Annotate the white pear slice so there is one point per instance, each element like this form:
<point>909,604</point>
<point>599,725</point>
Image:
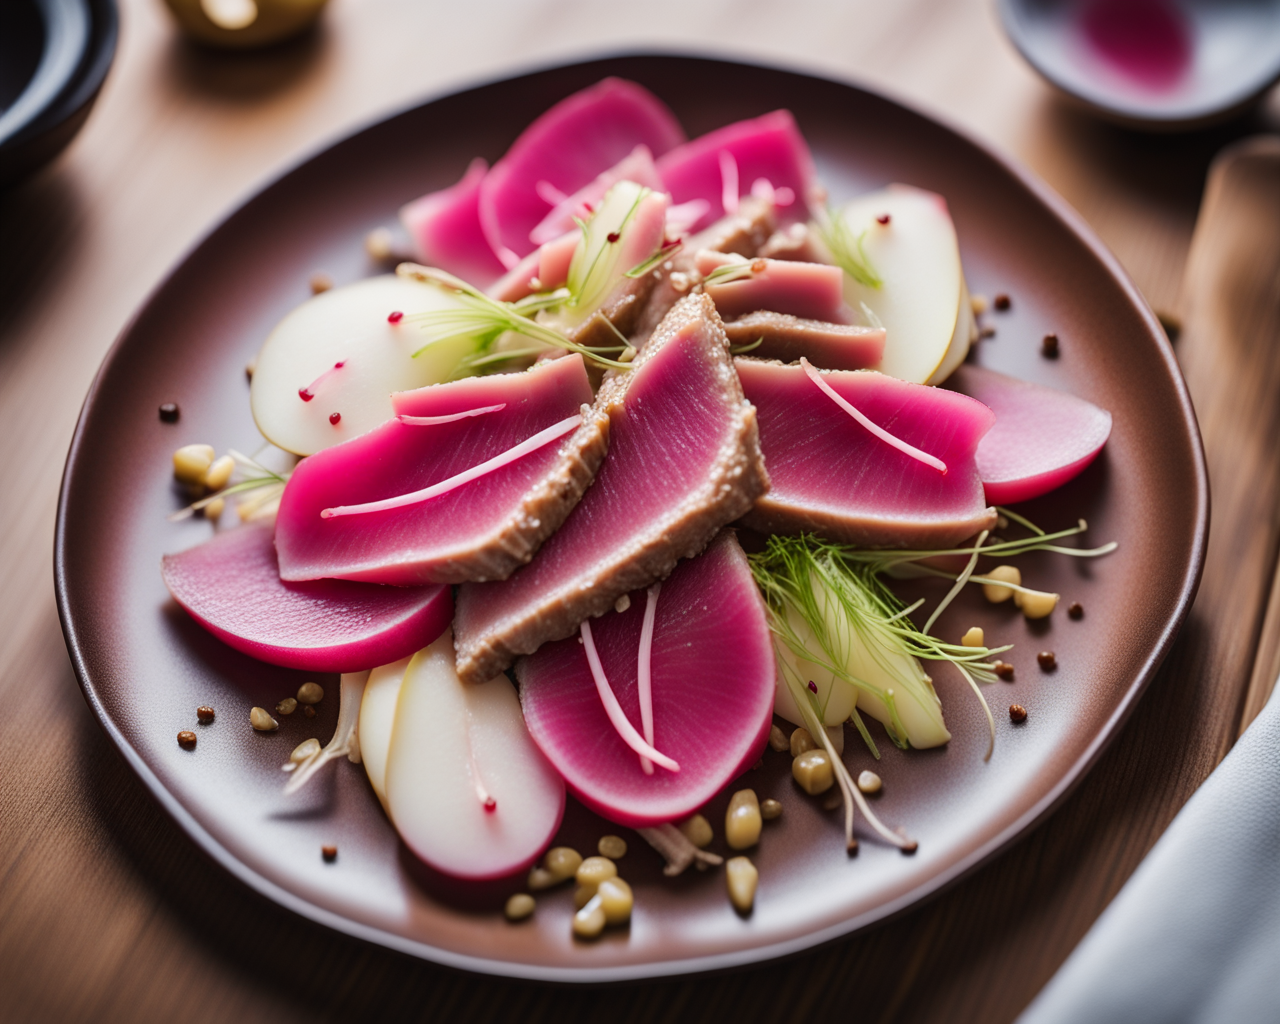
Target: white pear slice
<point>377,719</point>
<point>454,748</point>
<point>347,325</point>
<point>922,301</point>
<point>864,658</point>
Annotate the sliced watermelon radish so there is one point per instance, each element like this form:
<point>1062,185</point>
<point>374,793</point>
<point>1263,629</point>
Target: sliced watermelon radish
<point>712,674</point>
<point>564,150</point>
<point>445,228</point>
<point>231,585</point>
<point>730,162</point>
<point>1042,437</point>
<point>543,270</point>
<point>466,788</point>
<point>636,166</point>
<point>476,523</point>
<point>876,483</point>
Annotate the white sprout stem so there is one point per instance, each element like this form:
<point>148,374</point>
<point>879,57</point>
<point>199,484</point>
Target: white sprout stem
<point>614,710</point>
<point>991,722</point>
<point>532,444</point>
<point>676,849</point>
<point>431,421</point>
<point>880,432</point>
<point>958,586</point>
<point>345,742</point>
<point>644,671</point>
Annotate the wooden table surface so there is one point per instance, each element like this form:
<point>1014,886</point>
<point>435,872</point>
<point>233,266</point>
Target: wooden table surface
<point>108,912</point>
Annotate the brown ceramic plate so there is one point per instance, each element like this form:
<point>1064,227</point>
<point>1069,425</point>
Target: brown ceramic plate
<point>145,666</point>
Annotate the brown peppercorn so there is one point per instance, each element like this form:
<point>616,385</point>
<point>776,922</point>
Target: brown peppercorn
<point>329,853</point>
<point>308,711</point>
<point>1004,670</point>
<point>169,412</point>
<point>1076,611</point>
<point>320,282</point>
<point>187,739</point>
<point>1047,660</point>
<point>1049,347</point>
<point>1017,713</point>
<point>204,714</point>
<point>1002,302</point>
<point>986,332</point>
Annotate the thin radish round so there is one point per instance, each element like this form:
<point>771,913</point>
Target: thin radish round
<point>712,675</point>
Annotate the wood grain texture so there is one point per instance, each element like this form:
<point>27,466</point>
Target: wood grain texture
<point>108,912</point>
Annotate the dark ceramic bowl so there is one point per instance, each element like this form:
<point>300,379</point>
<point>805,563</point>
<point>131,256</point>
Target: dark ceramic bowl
<point>54,56</point>
<point>1163,65</point>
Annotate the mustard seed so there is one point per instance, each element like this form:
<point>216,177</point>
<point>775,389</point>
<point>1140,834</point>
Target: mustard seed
<point>329,853</point>
<point>1002,302</point>
<point>187,739</point>
<point>308,711</point>
<point>770,809</point>
<point>1047,660</point>
<point>204,714</point>
<point>1017,713</point>
<point>1049,347</point>
<point>169,412</point>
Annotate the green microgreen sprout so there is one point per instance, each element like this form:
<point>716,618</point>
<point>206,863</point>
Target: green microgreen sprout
<point>249,475</point>
<point>666,250</point>
<point>847,249</point>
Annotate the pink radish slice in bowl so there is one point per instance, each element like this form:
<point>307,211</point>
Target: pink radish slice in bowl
<point>1041,439</point>
<point>712,677</point>
<point>564,150</point>
<point>445,229</point>
<point>231,585</point>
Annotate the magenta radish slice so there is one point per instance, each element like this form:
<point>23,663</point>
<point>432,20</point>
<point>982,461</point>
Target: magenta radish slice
<point>564,150</point>
<point>713,672</point>
<point>543,270</point>
<point>636,166</point>
<point>734,158</point>
<point>466,788</point>
<point>1042,437</point>
<point>446,232</point>
<point>833,477</point>
<point>482,529</point>
<point>812,291</point>
<point>231,585</point>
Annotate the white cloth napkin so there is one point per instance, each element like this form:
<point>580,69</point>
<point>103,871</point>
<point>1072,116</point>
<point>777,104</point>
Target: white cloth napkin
<point>1194,936</point>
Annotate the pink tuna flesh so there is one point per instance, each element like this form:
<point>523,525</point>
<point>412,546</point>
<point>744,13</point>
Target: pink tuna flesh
<point>683,462</point>
<point>712,680</point>
<point>788,338</point>
<point>1042,437</point>
<point>728,162</point>
<point>480,530</point>
<point>445,228</point>
<point>231,585</point>
<point>564,150</point>
<point>636,166</point>
<point>812,291</point>
<point>833,477</point>
<point>543,270</point>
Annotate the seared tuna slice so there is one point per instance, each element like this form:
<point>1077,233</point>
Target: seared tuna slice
<point>481,529</point>
<point>741,233</point>
<point>795,242</point>
<point>684,460</point>
<point>786,337</point>
<point>833,476</point>
<point>232,587</point>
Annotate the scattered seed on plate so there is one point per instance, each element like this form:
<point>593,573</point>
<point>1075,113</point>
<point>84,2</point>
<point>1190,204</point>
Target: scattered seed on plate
<point>1076,611</point>
<point>204,714</point>
<point>519,907</point>
<point>380,245</point>
<point>191,462</point>
<point>1017,713</point>
<point>697,830</point>
<point>742,820</point>
<point>622,604</point>
<point>770,809</point>
<point>973,637</point>
<point>320,282</point>
<point>304,751</point>
<point>1004,670</point>
<point>812,770</point>
<point>262,721</point>
<point>995,593</point>
<point>589,921</point>
<point>1036,604</point>
<point>310,693</point>
<point>869,782</point>
<point>742,878</point>
<point>978,303</point>
<point>1047,660</point>
<point>329,853</point>
<point>616,900</point>
<point>801,742</point>
<point>213,511</point>
<point>613,847</point>
<point>594,870</point>
<point>287,706</point>
<point>778,739</point>
<point>187,739</point>
<point>169,412</point>
<point>309,711</point>
<point>1049,346</point>
<point>1003,302</point>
